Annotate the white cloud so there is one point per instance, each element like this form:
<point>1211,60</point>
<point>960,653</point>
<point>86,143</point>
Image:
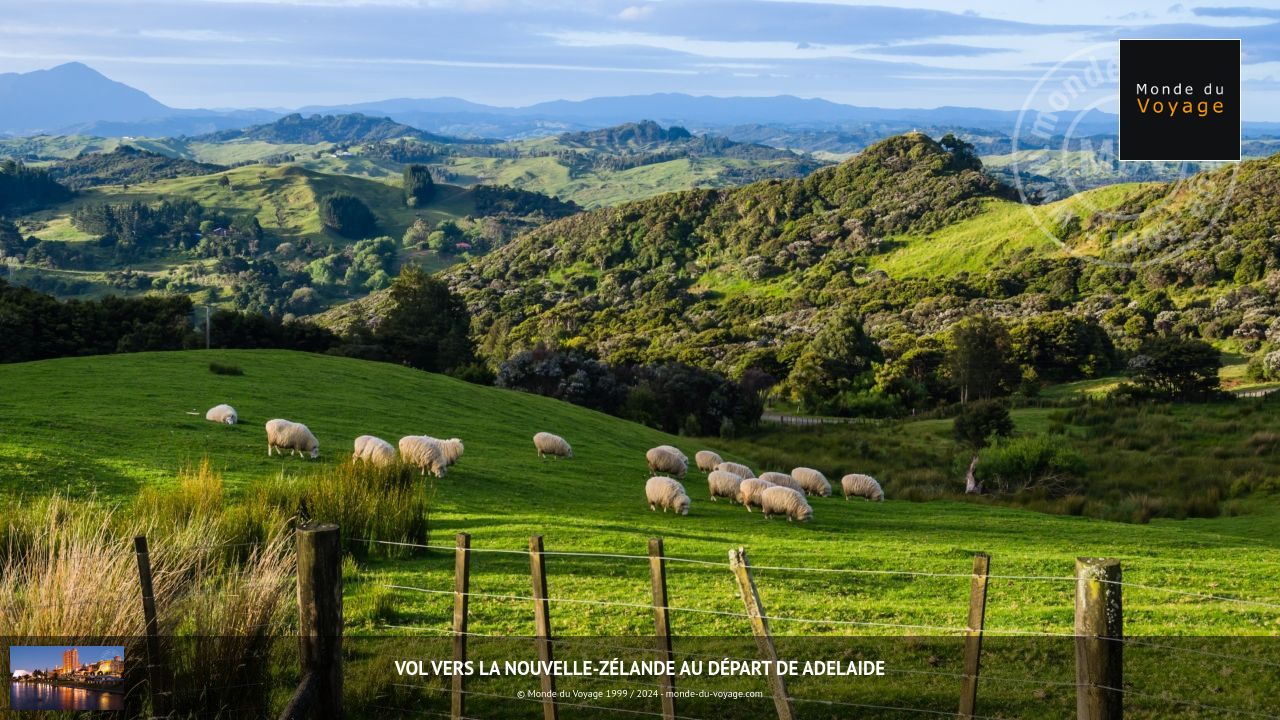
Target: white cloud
<point>635,12</point>
<point>201,36</point>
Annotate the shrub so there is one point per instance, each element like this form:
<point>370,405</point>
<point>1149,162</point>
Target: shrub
<point>220,369</point>
<point>1033,463</point>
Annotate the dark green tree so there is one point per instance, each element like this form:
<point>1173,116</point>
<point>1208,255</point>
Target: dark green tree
<point>418,186</point>
<point>347,215</point>
<point>838,355</point>
<point>1174,368</point>
<point>980,359</point>
<point>1063,347</point>
<point>427,326</point>
<point>974,427</point>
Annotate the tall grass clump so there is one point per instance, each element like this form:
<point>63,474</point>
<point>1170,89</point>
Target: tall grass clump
<point>369,503</point>
<point>198,495</point>
<point>68,570</point>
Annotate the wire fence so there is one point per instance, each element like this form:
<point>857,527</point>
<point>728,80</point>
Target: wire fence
<point>825,625</point>
<point>221,582</point>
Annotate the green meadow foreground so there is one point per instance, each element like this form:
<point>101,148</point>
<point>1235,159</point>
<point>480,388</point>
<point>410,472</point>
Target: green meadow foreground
<point>102,428</point>
<point>127,432</point>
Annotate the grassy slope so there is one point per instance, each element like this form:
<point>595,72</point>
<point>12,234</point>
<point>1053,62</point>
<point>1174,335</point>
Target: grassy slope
<point>592,189</point>
<point>110,424</point>
<point>259,190</point>
<point>1001,230</point>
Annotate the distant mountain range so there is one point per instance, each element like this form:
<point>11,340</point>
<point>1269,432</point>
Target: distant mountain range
<point>76,99</point>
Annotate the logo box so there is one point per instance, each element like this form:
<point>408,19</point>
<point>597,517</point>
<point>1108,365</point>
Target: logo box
<point>1180,100</point>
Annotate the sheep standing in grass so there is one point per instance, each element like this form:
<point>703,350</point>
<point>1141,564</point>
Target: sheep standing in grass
<point>373,450</point>
<point>222,414</point>
<point>812,481</point>
<point>666,459</point>
<point>738,469</point>
<point>295,437</point>
<point>665,493</point>
<point>552,445</point>
<point>707,460</point>
<point>783,479</point>
<point>424,453</point>
<point>723,484</point>
<point>863,486</point>
<point>749,491</point>
<point>452,450</point>
<point>785,501</point>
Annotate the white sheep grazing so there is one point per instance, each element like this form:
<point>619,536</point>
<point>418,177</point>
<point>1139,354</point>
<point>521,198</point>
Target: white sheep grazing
<point>785,501</point>
<point>222,414</point>
<point>783,479</point>
<point>749,492</point>
<point>452,450</point>
<point>666,459</point>
<point>663,492</point>
<point>552,445</point>
<point>863,486</point>
<point>373,450</point>
<point>738,469</point>
<point>813,482</point>
<point>707,460</point>
<point>723,484</point>
<point>295,437</point>
<point>424,453</point>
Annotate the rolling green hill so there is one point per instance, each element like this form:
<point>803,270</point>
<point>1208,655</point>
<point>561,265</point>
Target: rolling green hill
<point>909,236</point>
<point>602,167</point>
<point>284,202</point>
<point>125,165</point>
<point>260,190</point>
<point>701,275</point>
<point>104,427</point>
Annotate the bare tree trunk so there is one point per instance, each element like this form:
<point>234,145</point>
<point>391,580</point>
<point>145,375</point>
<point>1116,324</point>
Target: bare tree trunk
<point>971,484</point>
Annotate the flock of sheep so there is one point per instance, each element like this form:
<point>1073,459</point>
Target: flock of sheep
<point>775,493</point>
<point>426,453</point>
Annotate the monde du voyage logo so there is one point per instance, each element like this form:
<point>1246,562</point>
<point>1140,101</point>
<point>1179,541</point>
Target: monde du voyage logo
<point>1179,100</point>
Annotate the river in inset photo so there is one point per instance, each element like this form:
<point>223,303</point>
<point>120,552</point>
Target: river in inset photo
<point>41,696</point>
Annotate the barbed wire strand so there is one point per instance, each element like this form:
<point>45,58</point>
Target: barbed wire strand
<point>560,553</point>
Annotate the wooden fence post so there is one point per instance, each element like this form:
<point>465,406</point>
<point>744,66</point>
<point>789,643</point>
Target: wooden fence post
<point>320,617</point>
<point>760,627</point>
<point>973,635</point>
<point>662,625</point>
<point>461,588</point>
<point>1099,640</point>
<point>155,662</point>
<point>542,627</point>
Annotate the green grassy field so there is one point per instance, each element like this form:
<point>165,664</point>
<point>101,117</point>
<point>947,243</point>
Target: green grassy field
<point>1003,229</point>
<point>104,427</point>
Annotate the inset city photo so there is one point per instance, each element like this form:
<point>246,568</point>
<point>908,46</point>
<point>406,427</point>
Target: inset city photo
<point>66,677</point>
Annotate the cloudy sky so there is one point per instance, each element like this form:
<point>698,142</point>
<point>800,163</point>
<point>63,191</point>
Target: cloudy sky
<point>908,53</point>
